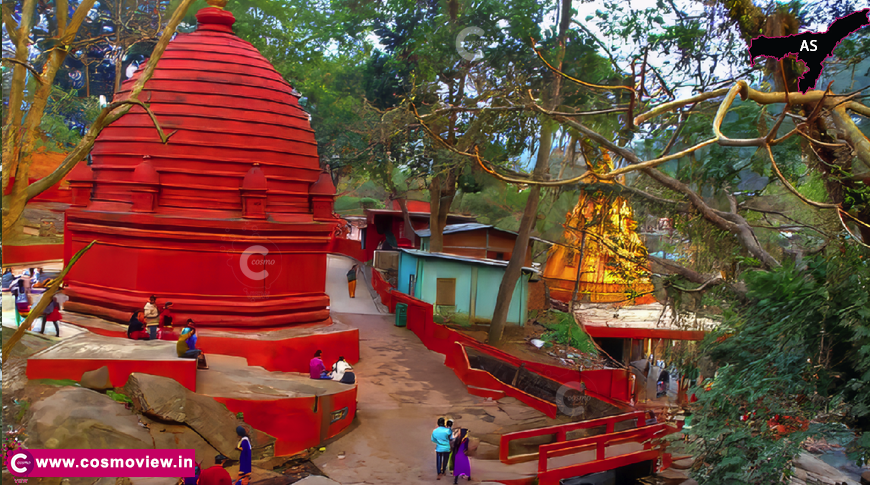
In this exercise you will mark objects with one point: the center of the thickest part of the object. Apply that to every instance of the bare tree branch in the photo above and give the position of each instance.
(27, 66)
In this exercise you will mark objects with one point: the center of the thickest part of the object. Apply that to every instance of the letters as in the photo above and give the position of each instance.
(809, 46)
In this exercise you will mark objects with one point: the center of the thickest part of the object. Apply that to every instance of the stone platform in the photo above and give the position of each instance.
(285, 350)
(298, 411)
(73, 357)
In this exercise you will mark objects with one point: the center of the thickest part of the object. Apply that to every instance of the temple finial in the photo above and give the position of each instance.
(217, 3)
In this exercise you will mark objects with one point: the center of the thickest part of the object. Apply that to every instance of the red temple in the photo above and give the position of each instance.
(230, 220)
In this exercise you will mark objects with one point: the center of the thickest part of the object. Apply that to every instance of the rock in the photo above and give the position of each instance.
(97, 380)
(167, 400)
(154, 481)
(77, 418)
(865, 478)
(821, 471)
(485, 451)
(179, 436)
(317, 480)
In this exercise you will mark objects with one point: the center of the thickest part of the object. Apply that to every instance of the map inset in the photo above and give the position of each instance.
(811, 48)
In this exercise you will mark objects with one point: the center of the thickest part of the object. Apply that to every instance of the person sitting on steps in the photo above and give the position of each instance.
(316, 368)
(136, 327)
(340, 372)
(186, 346)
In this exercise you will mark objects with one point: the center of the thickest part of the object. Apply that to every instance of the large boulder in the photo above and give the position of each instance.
(820, 472)
(97, 380)
(77, 418)
(165, 399)
(180, 437)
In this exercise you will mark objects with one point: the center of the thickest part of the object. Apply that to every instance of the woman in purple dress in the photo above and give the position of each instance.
(461, 466)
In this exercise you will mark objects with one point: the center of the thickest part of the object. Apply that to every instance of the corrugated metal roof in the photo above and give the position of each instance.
(463, 259)
(453, 228)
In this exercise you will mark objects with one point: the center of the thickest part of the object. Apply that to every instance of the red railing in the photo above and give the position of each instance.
(561, 431)
(383, 289)
(600, 443)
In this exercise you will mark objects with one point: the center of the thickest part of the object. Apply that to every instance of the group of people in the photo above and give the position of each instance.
(21, 289)
(217, 474)
(340, 370)
(151, 324)
(37, 278)
(451, 450)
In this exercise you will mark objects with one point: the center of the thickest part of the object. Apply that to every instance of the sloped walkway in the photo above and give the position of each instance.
(403, 389)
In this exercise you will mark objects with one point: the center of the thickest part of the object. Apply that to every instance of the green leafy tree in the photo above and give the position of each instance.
(794, 362)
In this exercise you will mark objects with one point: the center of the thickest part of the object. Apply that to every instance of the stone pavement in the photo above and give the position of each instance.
(336, 287)
(403, 389)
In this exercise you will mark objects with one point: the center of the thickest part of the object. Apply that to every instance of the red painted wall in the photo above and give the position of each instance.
(28, 254)
(288, 355)
(294, 422)
(182, 370)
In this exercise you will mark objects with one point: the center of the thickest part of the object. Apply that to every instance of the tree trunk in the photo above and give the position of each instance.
(118, 66)
(579, 273)
(403, 205)
(521, 246)
(436, 238)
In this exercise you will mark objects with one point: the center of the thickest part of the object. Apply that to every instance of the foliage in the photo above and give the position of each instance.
(23, 407)
(562, 329)
(119, 397)
(797, 352)
(66, 119)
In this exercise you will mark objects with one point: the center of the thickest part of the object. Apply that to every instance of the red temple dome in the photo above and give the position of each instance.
(221, 220)
(229, 108)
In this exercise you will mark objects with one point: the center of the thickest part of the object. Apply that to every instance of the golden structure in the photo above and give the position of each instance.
(602, 254)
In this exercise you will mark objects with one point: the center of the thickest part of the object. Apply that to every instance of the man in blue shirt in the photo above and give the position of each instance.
(441, 438)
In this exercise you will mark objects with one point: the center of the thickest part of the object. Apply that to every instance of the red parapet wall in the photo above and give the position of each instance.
(383, 289)
(347, 247)
(298, 423)
(275, 355)
(181, 370)
(287, 355)
(13, 255)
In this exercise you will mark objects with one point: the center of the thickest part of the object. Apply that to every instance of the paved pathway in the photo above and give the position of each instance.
(336, 287)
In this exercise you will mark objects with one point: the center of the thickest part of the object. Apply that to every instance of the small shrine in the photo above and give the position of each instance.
(602, 254)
